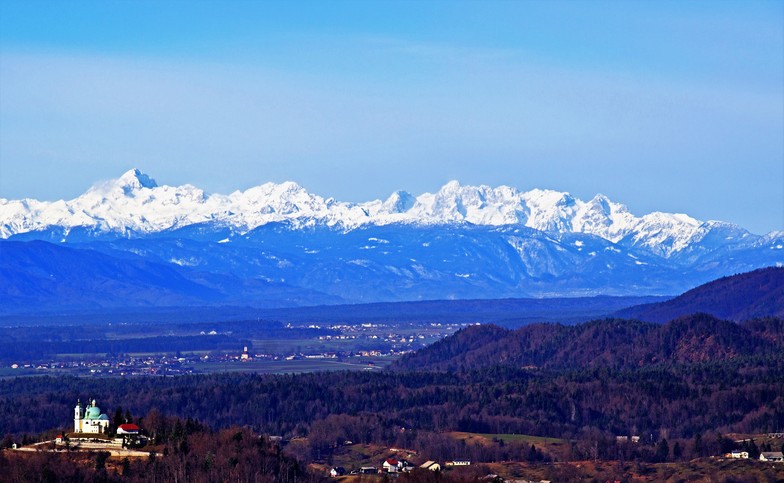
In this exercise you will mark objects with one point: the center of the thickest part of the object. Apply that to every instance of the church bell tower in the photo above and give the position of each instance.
(78, 414)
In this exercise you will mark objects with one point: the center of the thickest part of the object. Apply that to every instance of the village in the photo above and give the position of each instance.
(365, 346)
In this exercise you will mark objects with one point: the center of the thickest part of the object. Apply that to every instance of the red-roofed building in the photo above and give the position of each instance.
(391, 465)
(128, 429)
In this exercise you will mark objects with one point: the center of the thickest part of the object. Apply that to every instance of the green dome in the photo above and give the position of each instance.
(93, 412)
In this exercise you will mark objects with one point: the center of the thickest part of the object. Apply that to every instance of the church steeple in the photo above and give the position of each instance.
(78, 415)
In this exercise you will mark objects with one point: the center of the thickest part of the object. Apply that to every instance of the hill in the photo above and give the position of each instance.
(611, 343)
(759, 293)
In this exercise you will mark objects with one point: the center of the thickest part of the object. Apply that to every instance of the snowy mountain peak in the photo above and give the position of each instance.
(600, 203)
(450, 187)
(399, 202)
(134, 179)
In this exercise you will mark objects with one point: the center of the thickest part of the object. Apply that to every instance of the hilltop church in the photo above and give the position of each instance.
(90, 419)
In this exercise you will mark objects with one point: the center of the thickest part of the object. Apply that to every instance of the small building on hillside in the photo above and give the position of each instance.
(337, 471)
(90, 419)
(128, 428)
(458, 463)
(431, 465)
(130, 436)
(771, 456)
(391, 465)
(738, 455)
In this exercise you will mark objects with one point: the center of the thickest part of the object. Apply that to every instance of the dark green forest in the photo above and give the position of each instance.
(679, 400)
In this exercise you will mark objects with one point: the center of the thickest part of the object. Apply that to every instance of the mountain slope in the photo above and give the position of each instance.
(691, 336)
(612, 343)
(39, 277)
(759, 293)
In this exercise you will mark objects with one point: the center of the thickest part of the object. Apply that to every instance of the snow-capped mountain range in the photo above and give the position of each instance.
(461, 241)
(134, 205)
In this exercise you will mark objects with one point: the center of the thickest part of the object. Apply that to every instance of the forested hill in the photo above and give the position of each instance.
(613, 343)
(759, 293)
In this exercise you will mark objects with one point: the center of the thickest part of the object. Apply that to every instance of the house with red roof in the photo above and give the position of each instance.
(128, 429)
(391, 465)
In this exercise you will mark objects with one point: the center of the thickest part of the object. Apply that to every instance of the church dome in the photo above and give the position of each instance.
(93, 412)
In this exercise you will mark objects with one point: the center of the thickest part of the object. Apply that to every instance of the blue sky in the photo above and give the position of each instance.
(669, 106)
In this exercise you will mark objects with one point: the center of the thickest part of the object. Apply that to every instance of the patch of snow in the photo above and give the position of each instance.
(184, 262)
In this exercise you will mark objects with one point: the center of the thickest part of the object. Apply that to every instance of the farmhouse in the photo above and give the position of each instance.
(130, 429)
(90, 419)
(771, 456)
(391, 465)
(743, 455)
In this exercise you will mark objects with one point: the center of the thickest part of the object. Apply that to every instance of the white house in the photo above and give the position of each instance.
(771, 456)
(391, 465)
(90, 419)
(743, 455)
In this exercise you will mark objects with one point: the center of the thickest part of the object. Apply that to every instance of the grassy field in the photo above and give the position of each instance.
(265, 366)
(9, 372)
(507, 438)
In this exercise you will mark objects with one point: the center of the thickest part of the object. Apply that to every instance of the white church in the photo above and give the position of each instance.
(90, 419)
